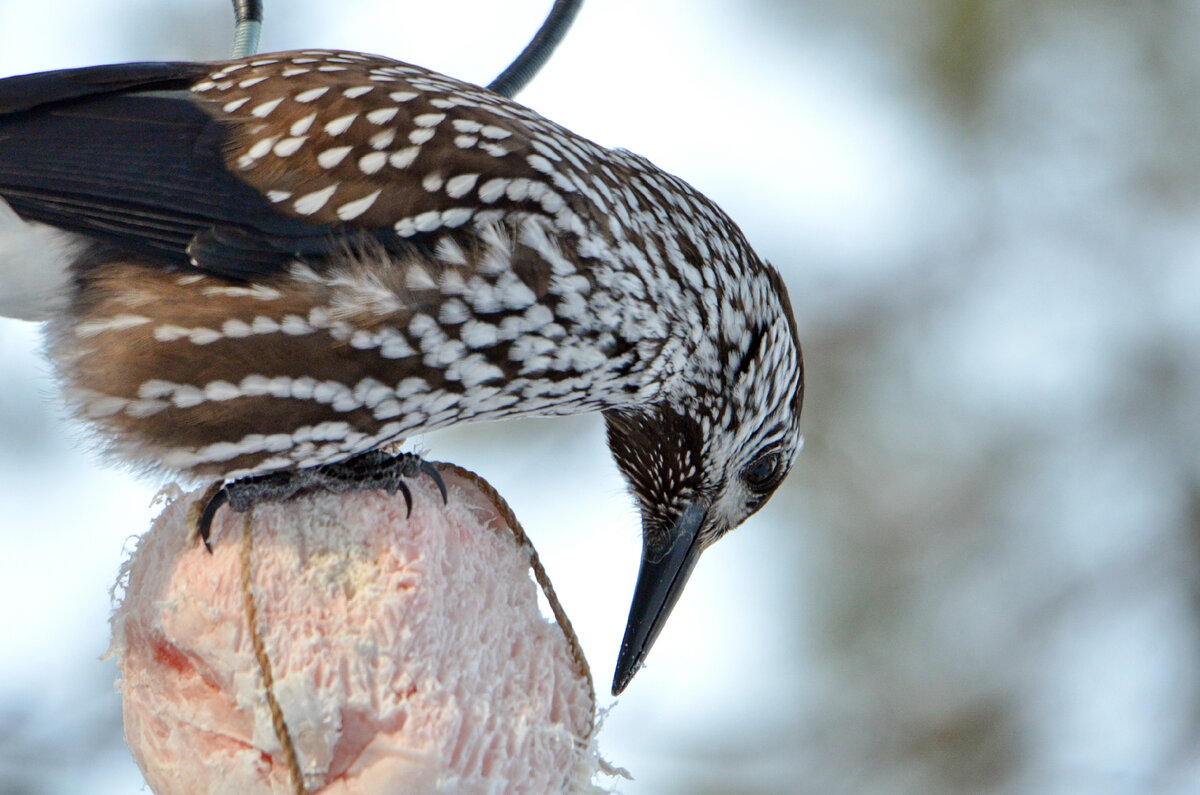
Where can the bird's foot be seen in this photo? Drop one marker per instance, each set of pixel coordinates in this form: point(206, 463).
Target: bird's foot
point(369, 471)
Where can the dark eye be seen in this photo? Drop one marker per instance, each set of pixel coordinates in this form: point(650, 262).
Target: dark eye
point(764, 472)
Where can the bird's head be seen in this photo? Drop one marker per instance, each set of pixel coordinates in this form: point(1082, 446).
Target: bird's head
point(701, 460)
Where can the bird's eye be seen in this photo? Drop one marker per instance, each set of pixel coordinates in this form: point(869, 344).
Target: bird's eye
point(764, 472)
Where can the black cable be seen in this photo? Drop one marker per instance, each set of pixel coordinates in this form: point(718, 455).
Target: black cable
point(248, 10)
point(538, 51)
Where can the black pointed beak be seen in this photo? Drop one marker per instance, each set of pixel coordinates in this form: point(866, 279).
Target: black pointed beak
point(660, 581)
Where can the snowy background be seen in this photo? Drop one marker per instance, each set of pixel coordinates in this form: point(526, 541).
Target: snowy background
point(984, 573)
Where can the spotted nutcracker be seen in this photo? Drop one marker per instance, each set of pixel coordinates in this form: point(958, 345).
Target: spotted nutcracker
point(286, 261)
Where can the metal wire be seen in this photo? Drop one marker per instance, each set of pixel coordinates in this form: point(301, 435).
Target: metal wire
point(248, 15)
point(538, 51)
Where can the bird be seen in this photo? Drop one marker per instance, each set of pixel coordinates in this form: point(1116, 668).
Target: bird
point(258, 267)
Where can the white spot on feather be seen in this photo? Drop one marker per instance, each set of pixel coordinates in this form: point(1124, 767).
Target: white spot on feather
point(264, 110)
point(395, 347)
point(371, 163)
point(264, 325)
point(410, 386)
point(331, 157)
point(539, 163)
point(92, 328)
point(386, 409)
point(486, 217)
point(518, 189)
point(492, 190)
point(421, 136)
point(457, 216)
point(476, 334)
point(203, 336)
point(301, 127)
point(473, 370)
point(221, 390)
point(169, 333)
point(311, 202)
point(186, 396)
point(352, 210)
point(289, 146)
point(494, 132)
point(384, 139)
point(453, 312)
point(311, 94)
point(383, 115)
point(428, 221)
point(104, 406)
point(457, 187)
point(404, 157)
point(340, 124)
point(236, 328)
point(417, 278)
point(295, 326)
point(259, 148)
point(429, 119)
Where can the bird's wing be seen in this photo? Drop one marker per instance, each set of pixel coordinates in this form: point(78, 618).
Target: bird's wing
point(121, 155)
point(243, 166)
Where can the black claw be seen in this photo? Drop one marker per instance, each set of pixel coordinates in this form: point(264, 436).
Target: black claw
point(430, 470)
point(369, 471)
point(219, 498)
point(403, 488)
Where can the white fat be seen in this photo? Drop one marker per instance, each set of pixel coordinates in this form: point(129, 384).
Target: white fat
point(35, 262)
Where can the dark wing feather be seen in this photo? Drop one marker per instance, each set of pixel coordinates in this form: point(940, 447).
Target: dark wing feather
point(243, 166)
point(122, 155)
point(26, 92)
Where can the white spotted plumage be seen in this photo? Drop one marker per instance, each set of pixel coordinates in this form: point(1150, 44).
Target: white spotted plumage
point(331, 252)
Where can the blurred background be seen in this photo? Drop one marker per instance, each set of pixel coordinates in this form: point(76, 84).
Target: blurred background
point(984, 573)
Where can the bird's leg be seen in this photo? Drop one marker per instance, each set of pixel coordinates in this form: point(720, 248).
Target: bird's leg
point(367, 471)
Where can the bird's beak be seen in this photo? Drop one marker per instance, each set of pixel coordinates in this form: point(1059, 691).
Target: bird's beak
point(660, 581)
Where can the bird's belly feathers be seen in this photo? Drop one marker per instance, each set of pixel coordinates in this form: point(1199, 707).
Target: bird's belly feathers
point(206, 377)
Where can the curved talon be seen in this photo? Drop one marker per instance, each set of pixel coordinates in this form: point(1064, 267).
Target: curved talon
point(430, 470)
point(214, 504)
point(371, 470)
point(402, 487)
